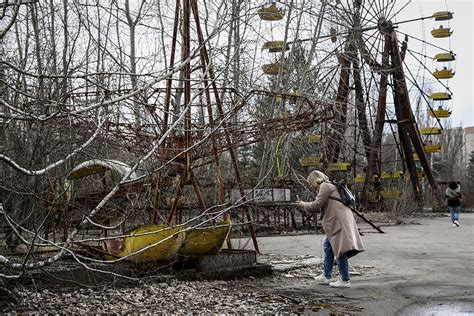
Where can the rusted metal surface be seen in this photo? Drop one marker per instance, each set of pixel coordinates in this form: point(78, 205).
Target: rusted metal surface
point(223, 121)
point(407, 124)
point(169, 83)
point(227, 260)
point(340, 114)
point(374, 154)
point(361, 108)
point(359, 93)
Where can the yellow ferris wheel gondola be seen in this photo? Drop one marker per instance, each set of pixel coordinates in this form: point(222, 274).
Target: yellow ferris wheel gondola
point(288, 97)
point(391, 174)
point(359, 178)
point(442, 15)
point(311, 138)
point(443, 73)
point(432, 148)
point(430, 131)
point(372, 198)
point(271, 13)
point(441, 32)
point(444, 57)
point(275, 46)
point(440, 96)
point(339, 166)
point(310, 161)
point(274, 69)
point(390, 193)
point(440, 113)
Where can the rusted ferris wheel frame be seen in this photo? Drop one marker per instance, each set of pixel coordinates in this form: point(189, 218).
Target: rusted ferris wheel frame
point(407, 128)
point(407, 123)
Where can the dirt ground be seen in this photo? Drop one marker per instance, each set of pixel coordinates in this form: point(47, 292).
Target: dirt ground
point(423, 268)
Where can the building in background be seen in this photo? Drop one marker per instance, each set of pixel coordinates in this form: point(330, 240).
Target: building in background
point(468, 143)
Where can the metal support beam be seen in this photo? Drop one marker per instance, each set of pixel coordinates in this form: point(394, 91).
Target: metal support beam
point(220, 111)
point(374, 156)
point(340, 111)
point(407, 123)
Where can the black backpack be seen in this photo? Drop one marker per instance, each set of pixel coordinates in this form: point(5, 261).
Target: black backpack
point(347, 198)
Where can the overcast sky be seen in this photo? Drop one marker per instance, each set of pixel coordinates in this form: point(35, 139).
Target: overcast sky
point(461, 43)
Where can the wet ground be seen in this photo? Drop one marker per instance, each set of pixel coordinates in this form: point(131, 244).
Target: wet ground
point(424, 269)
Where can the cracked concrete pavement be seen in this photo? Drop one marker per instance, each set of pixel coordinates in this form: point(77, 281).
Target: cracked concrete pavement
point(417, 269)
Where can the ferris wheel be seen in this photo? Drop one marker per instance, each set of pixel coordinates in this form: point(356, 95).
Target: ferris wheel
point(381, 80)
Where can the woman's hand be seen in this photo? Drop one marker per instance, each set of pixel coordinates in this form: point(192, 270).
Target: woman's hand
point(302, 204)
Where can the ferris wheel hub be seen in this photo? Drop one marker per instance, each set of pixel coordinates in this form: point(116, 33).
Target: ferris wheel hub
point(384, 25)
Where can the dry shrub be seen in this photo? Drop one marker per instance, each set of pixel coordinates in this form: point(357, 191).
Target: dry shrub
point(403, 206)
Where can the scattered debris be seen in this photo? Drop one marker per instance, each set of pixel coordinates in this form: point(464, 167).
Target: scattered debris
point(270, 294)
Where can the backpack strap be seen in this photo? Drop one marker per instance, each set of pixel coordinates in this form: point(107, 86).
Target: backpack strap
point(339, 200)
point(323, 210)
point(335, 190)
point(336, 199)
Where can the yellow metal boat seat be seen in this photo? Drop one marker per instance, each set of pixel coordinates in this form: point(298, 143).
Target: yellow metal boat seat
point(206, 240)
point(147, 243)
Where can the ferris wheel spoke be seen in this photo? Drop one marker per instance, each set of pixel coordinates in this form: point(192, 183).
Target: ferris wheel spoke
point(390, 17)
point(369, 77)
point(426, 68)
point(388, 8)
point(425, 42)
point(343, 14)
point(350, 69)
point(366, 52)
point(370, 15)
point(330, 75)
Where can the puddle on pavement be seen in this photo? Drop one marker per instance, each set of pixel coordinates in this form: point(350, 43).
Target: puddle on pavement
point(433, 290)
point(322, 312)
point(439, 308)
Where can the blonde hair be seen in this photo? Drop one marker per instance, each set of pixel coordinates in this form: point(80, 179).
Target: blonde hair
point(316, 177)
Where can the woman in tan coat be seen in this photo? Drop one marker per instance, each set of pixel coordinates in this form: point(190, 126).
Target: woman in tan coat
point(342, 236)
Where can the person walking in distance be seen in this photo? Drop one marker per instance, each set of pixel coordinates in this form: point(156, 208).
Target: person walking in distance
point(342, 236)
point(454, 196)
